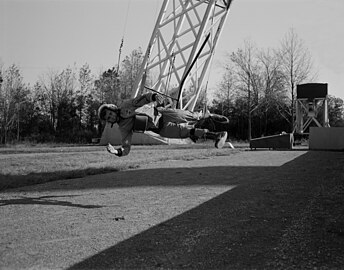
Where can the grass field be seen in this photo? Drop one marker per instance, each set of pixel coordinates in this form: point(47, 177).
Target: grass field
point(23, 165)
point(171, 207)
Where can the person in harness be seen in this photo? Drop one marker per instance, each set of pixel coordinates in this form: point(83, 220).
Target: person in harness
point(145, 112)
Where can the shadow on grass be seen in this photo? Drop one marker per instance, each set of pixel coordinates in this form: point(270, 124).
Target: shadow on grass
point(46, 200)
point(16, 181)
point(275, 218)
point(10, 181)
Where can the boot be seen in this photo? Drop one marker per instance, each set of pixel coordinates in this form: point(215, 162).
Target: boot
point(219, 138)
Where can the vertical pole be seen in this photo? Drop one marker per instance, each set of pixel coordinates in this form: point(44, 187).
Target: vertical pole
point(297, 124)
point(301, 119)
point(326, 122)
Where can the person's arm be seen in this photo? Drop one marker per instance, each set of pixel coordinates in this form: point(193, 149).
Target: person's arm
point(126, 142)
point(112, 150)
point(126, 145)
point(147, 98)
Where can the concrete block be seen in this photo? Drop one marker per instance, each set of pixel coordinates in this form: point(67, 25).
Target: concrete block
point(324, 138)
point(281, 141)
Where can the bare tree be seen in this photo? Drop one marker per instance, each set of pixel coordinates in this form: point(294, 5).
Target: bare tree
point(12, 94)
point(84, 89)
point(55, 91)
point(296, 65)
point(107, 86)
point(129, 70)
point(336, 111)
point(226, 90)
point(247, 69)
point(273, 92)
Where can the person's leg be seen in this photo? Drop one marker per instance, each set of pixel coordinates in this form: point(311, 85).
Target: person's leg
point(213, 122)
point(173, 130)
point(219, 138)
point(176, 131)
point(179, 116)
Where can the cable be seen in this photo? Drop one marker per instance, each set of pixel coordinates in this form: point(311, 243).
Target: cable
point(124, 31)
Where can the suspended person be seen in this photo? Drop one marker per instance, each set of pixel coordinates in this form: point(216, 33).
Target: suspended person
point(167, 122)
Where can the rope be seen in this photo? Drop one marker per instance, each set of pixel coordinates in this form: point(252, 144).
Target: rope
point(126, 18)
point(124, 30)
point(119, 55)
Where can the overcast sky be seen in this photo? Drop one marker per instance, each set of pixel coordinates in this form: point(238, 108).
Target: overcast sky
point(38, 35)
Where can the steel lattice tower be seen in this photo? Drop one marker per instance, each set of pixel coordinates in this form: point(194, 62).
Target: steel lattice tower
point(181, 48)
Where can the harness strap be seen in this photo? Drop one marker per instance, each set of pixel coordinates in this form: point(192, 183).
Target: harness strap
point(140, 123)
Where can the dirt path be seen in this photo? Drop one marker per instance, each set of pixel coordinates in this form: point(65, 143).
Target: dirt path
point(249, 210)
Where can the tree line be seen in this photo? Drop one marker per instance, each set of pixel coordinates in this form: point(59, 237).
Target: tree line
point(258, 89)
point(62, 105)
point(257, 94)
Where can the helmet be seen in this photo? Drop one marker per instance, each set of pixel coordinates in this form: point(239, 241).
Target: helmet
point(101, 110)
